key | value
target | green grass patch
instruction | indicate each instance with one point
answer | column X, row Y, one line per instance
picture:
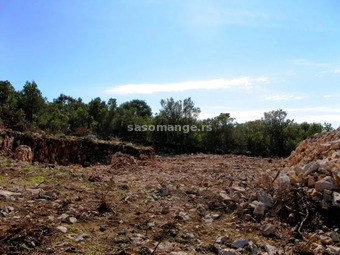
column 36, row 179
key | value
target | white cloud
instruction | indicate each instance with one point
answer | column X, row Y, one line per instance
column 150, row 88
column 283, row 97
column 306, row 62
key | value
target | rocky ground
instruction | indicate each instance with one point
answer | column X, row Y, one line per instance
column 190, row 204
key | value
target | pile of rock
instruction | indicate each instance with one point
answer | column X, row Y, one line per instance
column 315, row 167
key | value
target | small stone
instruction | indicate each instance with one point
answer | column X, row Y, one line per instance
column 316, row 196
column 291, row 219
column 62, row 229
column 236, row 197
column 335, row 144
column 310, row 182
column 165, row 210
column 259, row 210
column 51, row 195
column 333, row 250
column 72, row 220
column 63, row 217
column 335, row 237
column 336, row 199
column 211, row 217
column 326, row 240
column 324, row 205
column 239, row 189
column 224, row 196
column 283, row 181
column 201, row 210
column 240, row 243
column 327, row 195
column 268, row 229
column 266, row 199
column 317, row 248
column 323, row 147
column 311, row 168
column 163, row 191
column 8, row 195
column 269, row 248
column 227, row 252
column 336, row 175
column 150, row 225
column 323, row 184
column 188, row 236
column 183, row 216
column 144, row 251
column 94, row 178
column 240, row 208
column 81, row 237
column 222, row 239
column 252, row 248
column 34, row 191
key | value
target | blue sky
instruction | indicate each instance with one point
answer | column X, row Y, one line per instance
column 241, row 57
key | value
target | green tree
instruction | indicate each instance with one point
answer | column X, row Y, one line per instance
column 54, row 119
column 221, row 136
column 75, row 112
column 257, row 142
column 140, row 107
column 176, row 113
column 97, row 110
column 276, row 129
column 32, row 101
column 107, row 126
column 327, row 127
column 8, row 95
column 135, row 112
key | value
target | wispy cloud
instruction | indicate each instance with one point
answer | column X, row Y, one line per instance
column 151, row 88
column 319, row 109
column 220, row 16
column 335, row 71
column 319, row 114
column 306, row 62
column 283, row 97
column 329, row 96
column 299, row 115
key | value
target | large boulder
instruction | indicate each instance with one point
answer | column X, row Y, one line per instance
column 23, row 153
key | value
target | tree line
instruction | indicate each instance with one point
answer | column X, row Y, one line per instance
column 272, row 135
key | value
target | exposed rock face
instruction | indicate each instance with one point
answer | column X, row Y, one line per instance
column 65, row 151
column 23, row 153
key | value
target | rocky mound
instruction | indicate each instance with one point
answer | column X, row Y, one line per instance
column 305, row 192
column 315, row 166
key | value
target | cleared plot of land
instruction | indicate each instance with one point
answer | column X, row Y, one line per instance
column 197, row 204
